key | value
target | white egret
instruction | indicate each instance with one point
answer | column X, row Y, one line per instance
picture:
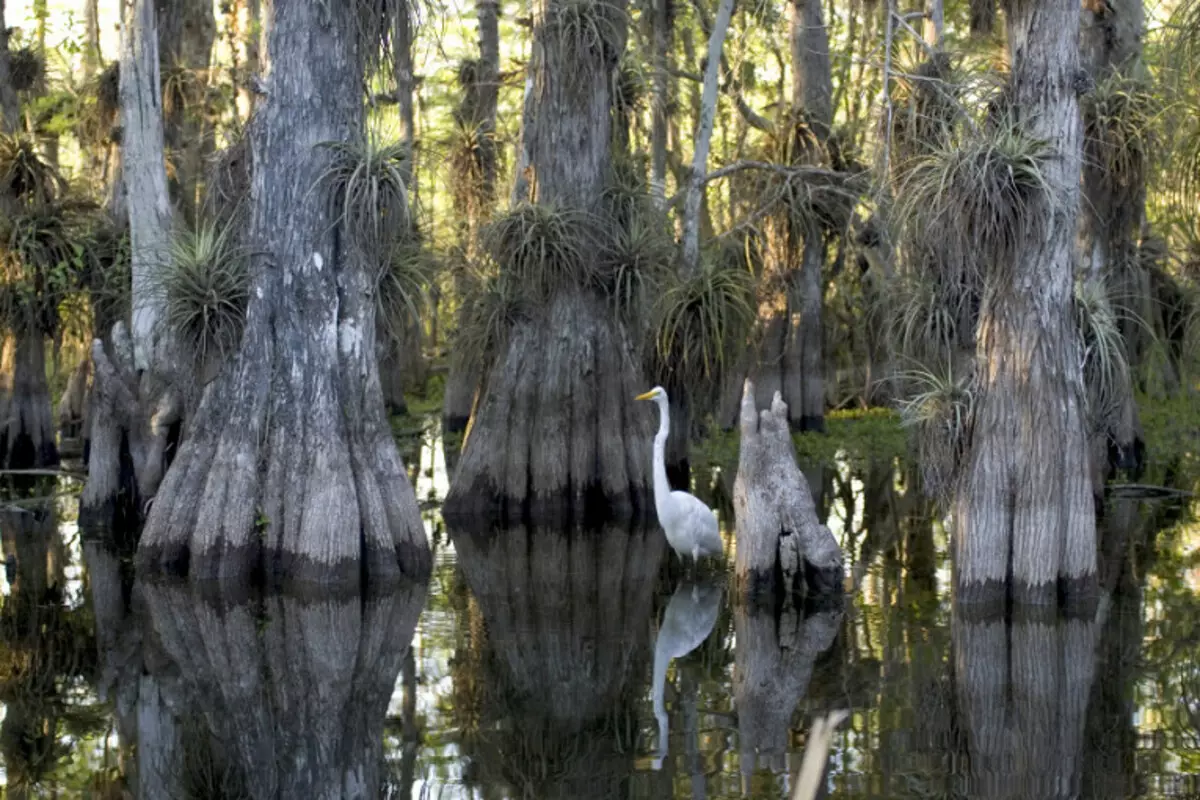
column 690, row 525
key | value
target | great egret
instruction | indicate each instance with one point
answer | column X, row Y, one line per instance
column 690, row 525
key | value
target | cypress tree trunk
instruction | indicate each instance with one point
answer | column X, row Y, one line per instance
column 290, row 465
column 557, row 423
column 793, row 360
column 1025, row 495
column 26, row 424
column 477, row 111
column 187, row 30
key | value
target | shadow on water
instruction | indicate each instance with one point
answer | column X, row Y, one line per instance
column 550, row 663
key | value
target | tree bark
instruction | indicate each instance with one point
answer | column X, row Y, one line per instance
column 983, row 17
column 782, row 547
column 144, row 174
column 1025, row 495
column 27, row 437
column 250, row 20
column 690, row 257
column 290, row 466
column 557, row 422
column 187, row 30
column 935, row 23
column 662, row 24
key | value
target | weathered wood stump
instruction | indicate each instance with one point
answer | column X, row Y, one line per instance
column 781, row 544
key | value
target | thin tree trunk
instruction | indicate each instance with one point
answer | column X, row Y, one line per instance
column 144, row 174
column 477, row 111
column 704, row 127
column 289, row 465
column 557, row 423
column 662, row 23
column 1025, row 496
column 250, row 20
column 983, row 17
column 935, row 23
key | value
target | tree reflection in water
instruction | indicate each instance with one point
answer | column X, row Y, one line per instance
column 567, row 616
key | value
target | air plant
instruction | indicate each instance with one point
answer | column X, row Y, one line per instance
column 540, row 248
column 939, row 408
column 365, row 182
column 205, row 286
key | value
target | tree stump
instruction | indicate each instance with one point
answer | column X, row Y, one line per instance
column 779, row 537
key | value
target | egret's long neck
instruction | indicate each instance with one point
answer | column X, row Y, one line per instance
column 662, row 489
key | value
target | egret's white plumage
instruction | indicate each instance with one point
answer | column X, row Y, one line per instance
column 690, row 525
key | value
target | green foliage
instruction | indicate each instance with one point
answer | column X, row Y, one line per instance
column 365, row 182
column 540, row 248
column 924, row 316
column 24, row 68
column 491, row 306
column 634, row 261
column 699, row 317
column 41, row 261
column 939, row 410
column 1120, row 116
column 980, row 194
column 1105, row 370
column 205, row 284
column 860, row 437
column 400, row 293
column 24, row 175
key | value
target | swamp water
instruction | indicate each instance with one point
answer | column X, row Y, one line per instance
column 550, row 664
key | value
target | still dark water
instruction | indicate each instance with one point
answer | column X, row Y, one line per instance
column 550, row 664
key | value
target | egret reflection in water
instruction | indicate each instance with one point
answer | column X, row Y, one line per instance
column 689, row 619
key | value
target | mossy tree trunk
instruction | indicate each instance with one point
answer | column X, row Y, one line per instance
column 792, row 359
column 1025, row 497
column 557, row 423
column 474, row 197
column 1111, row 217
column 27, row 438
column 289, row 465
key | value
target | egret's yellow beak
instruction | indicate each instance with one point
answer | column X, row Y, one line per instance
column 645, row 396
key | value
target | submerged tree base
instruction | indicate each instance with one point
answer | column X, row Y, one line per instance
column 27, row 433
column 558, row 430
